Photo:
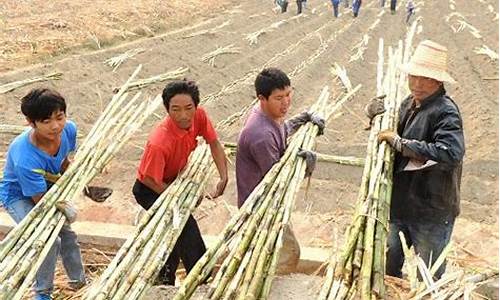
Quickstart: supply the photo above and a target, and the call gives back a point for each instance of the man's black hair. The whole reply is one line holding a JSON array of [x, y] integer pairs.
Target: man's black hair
[[270, 79], [186, 87], [39, 104]]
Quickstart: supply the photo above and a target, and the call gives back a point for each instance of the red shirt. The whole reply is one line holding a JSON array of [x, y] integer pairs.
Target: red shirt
[[168, 147]]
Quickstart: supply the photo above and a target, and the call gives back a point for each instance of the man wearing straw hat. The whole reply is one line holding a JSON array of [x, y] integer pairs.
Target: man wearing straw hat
[[430, 147]]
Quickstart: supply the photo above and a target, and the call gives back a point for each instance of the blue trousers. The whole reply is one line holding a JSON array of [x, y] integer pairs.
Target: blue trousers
[[428, 239], [66, 245], [356, 5], [335, 4]]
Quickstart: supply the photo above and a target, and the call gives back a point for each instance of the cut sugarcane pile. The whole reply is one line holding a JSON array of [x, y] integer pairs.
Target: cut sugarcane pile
[[12, 129], [360, 265], [338, 159], [139, 260], [17, 84], [142, 83], [210, 57], [116, 61], [26, 246], [485, 50], [457, 284], [252, 240], [207, 31]]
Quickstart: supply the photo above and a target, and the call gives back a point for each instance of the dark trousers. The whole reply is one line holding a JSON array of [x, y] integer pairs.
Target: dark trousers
[[393, 5], [299, 7], [189, 246], [428, 239], [356, 5]]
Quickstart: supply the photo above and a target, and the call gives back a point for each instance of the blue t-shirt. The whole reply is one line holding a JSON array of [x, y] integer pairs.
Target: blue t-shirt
[[20, 181]]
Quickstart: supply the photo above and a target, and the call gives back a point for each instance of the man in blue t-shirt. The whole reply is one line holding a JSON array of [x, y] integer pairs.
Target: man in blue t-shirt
[[42, 150]]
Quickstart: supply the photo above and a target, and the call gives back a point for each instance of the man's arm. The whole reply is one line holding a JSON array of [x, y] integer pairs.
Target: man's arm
[[65, 164], [448, 145], [220, 160], [36, 198], [153, 185]]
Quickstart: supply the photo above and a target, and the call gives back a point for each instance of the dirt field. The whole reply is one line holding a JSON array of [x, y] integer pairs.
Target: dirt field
[[41, 38]]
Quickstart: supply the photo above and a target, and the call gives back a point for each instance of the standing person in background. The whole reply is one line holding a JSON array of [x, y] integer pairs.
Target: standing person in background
[[393, 6], [335, 5], [166, 155], [299, 6], [45, 148], [346, 3], [283, 4], [410, 11], [356, 6]]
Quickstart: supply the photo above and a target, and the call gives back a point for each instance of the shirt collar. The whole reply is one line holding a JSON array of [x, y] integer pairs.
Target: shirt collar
[[178, 132], [431, 99]]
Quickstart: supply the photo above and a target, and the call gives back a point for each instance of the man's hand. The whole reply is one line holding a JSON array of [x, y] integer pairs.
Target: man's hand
[[221, 186], [374, 107], [318, 121], [294, 123], [310, 158], [68, 210], [387, 135]]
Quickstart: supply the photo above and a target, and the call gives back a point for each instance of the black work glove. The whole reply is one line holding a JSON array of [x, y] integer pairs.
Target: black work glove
[[374, 107], [318, 121], [310, 158], [97, 193], [294, 123]]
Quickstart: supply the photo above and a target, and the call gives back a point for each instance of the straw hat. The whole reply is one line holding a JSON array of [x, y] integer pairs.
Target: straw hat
[[429, 60]]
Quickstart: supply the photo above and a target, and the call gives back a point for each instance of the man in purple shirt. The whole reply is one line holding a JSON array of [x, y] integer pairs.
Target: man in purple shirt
[[262, 142]]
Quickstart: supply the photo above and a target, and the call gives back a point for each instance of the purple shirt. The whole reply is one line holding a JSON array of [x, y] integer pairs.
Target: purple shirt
[[261, 143]]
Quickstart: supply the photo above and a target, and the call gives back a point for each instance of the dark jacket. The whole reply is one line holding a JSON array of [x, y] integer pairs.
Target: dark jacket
[[432, 131]]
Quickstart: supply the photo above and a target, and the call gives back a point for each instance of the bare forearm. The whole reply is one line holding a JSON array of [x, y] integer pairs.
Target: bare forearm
[[37, 198], [220, 159], [157, 188], [65, 164]]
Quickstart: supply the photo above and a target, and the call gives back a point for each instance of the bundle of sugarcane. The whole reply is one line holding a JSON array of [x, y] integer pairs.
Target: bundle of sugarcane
[[142, 83], [139, 260], [485, 50], [116, 61], [360, 265], [17, 84], [452, 285], [24, 249], [12, 129], [252, 240], [210, 57], [207, 31], [338, 159]]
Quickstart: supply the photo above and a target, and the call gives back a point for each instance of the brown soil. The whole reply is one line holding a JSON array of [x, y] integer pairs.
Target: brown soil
[[87, 84]]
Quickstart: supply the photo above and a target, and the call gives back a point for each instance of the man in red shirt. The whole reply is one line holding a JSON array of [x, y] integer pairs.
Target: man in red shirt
[[164, 157]]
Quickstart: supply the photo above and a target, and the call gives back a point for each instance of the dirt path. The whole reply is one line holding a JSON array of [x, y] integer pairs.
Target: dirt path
[[305, 47]]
